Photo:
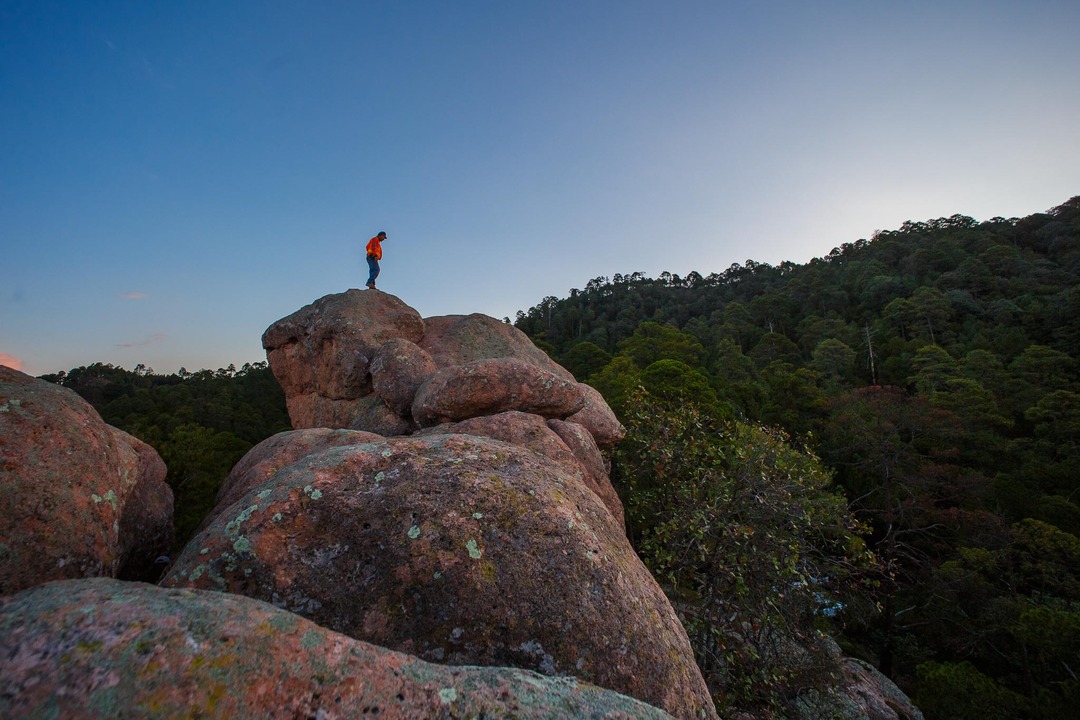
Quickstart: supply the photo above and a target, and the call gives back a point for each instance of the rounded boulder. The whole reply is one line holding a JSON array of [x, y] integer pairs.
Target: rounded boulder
[[109, 650], [80, 498], [460, 550], [487, 387]]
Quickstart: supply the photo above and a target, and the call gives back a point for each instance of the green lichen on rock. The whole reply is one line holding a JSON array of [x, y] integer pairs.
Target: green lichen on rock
[[474, 551], [233, 527]]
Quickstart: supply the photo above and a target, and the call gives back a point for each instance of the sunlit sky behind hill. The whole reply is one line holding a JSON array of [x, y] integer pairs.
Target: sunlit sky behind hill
[[177, 176]]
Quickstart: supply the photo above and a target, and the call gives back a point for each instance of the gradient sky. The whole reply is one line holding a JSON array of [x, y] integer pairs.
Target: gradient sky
[[176, 176]]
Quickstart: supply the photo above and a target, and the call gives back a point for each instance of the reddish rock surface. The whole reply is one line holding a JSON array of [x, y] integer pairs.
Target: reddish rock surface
[[581, 444], [108, 649], [397, 372], [459, 339], [276, 452], [366, 361], [597, 417], [322, 352], [486, 387], [80, 498], [456, 549], [576, 453]]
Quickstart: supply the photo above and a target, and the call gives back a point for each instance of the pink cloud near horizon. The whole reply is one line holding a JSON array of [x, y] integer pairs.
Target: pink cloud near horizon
[[11, 361], [149, 340], [133, 295]]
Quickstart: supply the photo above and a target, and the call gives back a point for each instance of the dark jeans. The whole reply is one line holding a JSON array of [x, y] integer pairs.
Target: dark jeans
[[373, 269]]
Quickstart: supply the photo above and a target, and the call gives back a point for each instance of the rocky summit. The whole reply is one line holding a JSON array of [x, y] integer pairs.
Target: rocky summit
[[367, 361]]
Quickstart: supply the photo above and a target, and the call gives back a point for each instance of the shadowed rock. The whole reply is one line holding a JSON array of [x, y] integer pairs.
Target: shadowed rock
[[581, 444], [373, 415], [146, 527], [397, 372], [107, 649], [80, 497], [456, 549], [867, 694], [486, 387]]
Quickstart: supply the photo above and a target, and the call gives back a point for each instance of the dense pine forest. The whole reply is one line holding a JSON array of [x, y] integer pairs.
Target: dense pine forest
[[200, 423], [933, 371], [883, 443]]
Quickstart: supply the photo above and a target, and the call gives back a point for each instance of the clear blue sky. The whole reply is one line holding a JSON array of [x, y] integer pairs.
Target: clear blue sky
[[175, 176]]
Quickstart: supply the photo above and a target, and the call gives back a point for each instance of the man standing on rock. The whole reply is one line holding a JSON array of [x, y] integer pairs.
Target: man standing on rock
[[374, 255]]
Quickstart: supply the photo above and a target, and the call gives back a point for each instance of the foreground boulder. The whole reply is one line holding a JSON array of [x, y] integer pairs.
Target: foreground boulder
[[80, 498], [457, 549], [108, 649]]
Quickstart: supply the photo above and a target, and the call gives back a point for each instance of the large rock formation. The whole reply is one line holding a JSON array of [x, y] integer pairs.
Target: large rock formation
[[454, 548], [106, 649], [481, 528], [80, 497], [366, 360]]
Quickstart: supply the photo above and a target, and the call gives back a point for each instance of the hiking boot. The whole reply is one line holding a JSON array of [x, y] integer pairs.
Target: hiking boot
[[371, 286]]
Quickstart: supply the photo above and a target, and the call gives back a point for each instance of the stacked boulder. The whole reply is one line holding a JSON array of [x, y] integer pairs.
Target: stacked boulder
[[367, 361], [445, 494]]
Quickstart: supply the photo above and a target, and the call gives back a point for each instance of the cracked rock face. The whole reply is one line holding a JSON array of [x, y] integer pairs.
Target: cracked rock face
[[457, 549], [100, 648], [80, 498]]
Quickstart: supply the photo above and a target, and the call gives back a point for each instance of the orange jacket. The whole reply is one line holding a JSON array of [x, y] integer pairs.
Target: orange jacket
[[374, 247]]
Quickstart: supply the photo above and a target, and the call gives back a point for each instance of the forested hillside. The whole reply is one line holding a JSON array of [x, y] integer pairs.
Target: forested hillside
[[883, 443], [933, 370], [200, 423]]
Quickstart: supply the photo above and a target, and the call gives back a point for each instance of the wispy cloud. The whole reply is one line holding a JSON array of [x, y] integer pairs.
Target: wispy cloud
[[133, 295], [149, 340], [11, 361]]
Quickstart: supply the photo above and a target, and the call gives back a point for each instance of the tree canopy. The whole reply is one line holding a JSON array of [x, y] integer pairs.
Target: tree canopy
[[933, 369]]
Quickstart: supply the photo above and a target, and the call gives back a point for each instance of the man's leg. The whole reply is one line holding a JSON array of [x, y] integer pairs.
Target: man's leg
[[373, 271]]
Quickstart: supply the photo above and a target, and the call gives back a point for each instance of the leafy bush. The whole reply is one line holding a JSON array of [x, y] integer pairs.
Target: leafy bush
[[745, 533]]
